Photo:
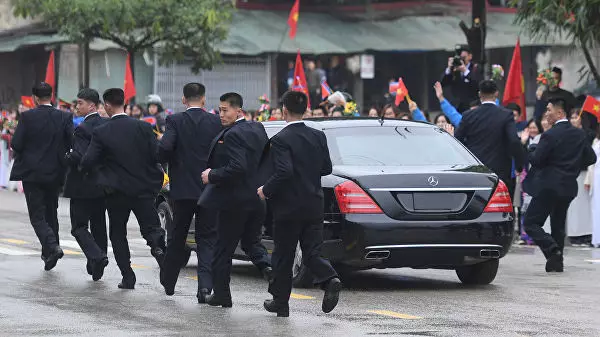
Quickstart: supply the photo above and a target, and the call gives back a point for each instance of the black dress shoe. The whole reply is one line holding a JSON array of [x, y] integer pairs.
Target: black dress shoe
[[332, 295], [98, 268], [282, 310], [159, 255], [555, 263], [267, 274], [51, 260], [88, 267], [216, 302], [169, 288], [202, 295], [127, 282]]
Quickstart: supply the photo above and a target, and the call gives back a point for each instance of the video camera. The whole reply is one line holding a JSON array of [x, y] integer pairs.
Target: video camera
[[457, 61]]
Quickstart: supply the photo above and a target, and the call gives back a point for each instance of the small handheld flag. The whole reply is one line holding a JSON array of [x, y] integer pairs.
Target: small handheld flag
[[399, 89], [591, 105], [151, 120], [325, 89], [27, 101]]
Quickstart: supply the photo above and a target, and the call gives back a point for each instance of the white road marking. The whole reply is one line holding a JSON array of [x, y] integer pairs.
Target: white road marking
[[8, 250]]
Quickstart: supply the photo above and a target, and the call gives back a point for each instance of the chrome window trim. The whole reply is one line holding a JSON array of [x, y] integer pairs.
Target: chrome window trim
[[438, 245], [430, 189]]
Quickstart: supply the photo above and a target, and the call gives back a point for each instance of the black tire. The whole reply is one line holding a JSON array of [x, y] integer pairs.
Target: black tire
[[478, 274], [301, 276], [165, 215]]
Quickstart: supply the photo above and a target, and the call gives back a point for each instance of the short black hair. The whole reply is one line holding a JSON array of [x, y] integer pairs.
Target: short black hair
[[42, 90], [514, 107], [295, 102], [114, 96], [488, 87], [465, 48], [233, 98], [557, 70], [194, 91], [560, 103], [89, 95]]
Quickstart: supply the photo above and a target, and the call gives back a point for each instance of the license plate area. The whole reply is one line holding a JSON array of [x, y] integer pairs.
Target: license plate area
[[433, 202]]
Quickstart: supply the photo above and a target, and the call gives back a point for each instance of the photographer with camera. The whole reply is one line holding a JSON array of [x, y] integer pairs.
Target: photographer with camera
[[462, 78]]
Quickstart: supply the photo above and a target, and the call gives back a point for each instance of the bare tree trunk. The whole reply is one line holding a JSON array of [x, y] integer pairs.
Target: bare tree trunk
[[590, 61]]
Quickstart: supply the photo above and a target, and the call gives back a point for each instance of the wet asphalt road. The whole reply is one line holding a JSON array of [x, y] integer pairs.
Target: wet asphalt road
[[522, 301]]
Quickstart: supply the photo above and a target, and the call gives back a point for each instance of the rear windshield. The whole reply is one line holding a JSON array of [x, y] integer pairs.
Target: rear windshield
[[395, 146]]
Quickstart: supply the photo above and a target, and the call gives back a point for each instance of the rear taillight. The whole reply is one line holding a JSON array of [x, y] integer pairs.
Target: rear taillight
[[353, 199], [500, 202]]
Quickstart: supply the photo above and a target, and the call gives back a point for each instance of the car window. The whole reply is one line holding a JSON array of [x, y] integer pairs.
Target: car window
[[396, 146]]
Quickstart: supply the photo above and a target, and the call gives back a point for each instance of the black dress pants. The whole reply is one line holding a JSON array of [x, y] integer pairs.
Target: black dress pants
[[119, 207], [233, 226], [92, 212], [206, 237], [42, 206], [287, 233], [547, 203]]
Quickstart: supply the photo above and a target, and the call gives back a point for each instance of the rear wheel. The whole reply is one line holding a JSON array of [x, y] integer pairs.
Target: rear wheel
[[165, 216], [478, 274], [301, 276]]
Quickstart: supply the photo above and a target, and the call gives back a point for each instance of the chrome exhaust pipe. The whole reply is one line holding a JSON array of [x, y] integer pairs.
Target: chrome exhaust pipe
[[489, 254], [377, 255]]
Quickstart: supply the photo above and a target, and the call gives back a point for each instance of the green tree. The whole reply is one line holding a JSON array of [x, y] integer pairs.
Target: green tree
[[174, 29], [578, 20]]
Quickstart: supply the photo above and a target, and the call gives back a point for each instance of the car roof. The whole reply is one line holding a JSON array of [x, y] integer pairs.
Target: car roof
[[344, 122]]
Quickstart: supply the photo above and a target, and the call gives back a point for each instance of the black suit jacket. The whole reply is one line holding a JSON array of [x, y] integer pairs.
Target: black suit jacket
[[184, 147], [490, 133], [463, 89], [125, 149], [556, 161], [234, 159], [41, 140], [79, 185], [299, 157]]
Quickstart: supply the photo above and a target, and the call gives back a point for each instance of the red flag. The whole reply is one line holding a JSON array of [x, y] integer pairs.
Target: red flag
[[399, 89], [50, 74], [592, 106], [129, 84], [514, 91], [293, 19], [151, 120], [325, 89], [27, 101], [300, 79]]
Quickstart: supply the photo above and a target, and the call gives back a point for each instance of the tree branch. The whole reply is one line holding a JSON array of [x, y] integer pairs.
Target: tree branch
[[590, 61]]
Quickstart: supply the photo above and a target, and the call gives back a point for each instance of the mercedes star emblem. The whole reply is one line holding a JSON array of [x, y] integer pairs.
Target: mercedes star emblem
[[433, 181]]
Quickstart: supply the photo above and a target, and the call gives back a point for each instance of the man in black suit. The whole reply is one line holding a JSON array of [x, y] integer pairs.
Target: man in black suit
[[489, 131], [184, 146], [300, 157], [462, 79], [233, 178], [87, 198], [40, 142], [125, 149], [557, 160]]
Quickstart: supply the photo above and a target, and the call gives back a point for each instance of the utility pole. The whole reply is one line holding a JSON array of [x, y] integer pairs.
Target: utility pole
[[476, 34]]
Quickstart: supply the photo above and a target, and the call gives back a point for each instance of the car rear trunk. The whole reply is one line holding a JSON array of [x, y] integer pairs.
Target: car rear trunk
[[425, 193]]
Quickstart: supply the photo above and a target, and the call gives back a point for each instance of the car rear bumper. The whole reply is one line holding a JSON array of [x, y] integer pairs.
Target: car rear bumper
[[377, 241]]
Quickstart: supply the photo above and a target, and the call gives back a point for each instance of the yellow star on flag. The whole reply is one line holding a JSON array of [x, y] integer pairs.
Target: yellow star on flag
[[596, 108], [296, 17]]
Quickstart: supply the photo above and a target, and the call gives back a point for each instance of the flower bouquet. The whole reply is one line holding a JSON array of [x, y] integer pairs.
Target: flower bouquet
[[545, 78], [263, 110], [350, 109], [497, 72]]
